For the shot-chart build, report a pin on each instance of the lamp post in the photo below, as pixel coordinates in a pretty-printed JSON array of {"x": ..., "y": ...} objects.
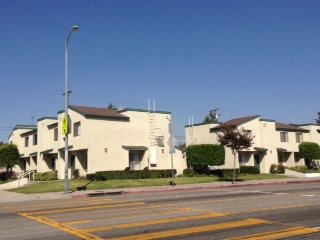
[{"x": 66, "y": 97}]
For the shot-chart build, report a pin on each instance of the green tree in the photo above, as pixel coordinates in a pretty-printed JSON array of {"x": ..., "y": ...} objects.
[
  {"x": 9, "y": 156},
  {"x": 203, "y": 155},
  {"x": 309, "y": 151},
  {"x": 236, "y": 139},
  {"x": 212, "y": 117},
  {"x": 112, "y": 107},
  {"x": 318, "y": 119}
]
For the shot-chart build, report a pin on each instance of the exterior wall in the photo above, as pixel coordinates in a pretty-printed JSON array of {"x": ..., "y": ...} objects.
[
  {"x": 199, "y": 134},
  {"x": 26, "y": 162},
  {"x": 102, "y": 143},
  {"x": 266, "y": 148}
]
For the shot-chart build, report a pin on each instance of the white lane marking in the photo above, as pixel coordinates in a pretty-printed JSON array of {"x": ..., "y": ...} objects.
[
  {"x": 279, "y": 193},
  {"x": 307, "y": 195}
]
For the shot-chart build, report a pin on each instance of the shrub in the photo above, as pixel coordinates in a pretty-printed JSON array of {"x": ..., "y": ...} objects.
[
  {"x": 46, "y": 176},
  {"x": 309, "y": 151},
  {"x": 90, "y": 176},
  {"x": 188, "y": 172},
  {"x": 224, "y": 173},
  {"x": 3, "y": 176},
  {"x": 132, "y": 174},
  {"x": 75, "y": 173},
  {"x": 281, "y": 168},
  {"x": 201, "y": 170},
  {"x": 205, "y": 154},
  {"x": 302, "y": 169},
  {"x": 249, "y": 170},
  {"x": 274, "y": 169}
]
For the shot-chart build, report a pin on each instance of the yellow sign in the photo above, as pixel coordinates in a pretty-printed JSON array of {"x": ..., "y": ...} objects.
[{"x": 65, "y": 125}]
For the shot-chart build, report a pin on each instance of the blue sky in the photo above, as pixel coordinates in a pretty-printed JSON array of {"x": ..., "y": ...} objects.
[{"x": 245, "y": 57}]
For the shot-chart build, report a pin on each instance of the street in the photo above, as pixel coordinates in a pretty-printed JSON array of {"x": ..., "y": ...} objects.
[{"x": 274, "y": 211}]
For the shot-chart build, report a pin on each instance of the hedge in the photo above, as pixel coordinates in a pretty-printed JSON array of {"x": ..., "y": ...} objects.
[
  {"x": 3, "y": 176},
  {"x": 224, "y": 173},
  {"x": 205, "y": 154},
  {"x": 188, "y": 172},
  {"x": 249, "y": 170},
  {"x": 130, "y": 174},
  {"x": 46, "y": 176}
]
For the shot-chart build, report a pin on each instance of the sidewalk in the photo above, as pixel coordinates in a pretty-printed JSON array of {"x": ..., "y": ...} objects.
[{"x": 6, "y": 197}]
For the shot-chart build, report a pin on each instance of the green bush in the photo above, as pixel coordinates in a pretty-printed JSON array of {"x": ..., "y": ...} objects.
[
  {"x": 224, "y": 173},
  {"x": 205, "y": 154},
  {"x": 274, "y": 168},
  {"x": 130, "y": 174},
  {"x": 188, "y": 172},
  {"x": 249, "y": 170},
  {"x": 309, "y": 151},
  {"x": 3, "y": 176},
  {"x": 302, "y": 169},
  {"x": 46, "y": 176},
  {"x": 90, "y": 176},
  {"x": 281, "y": 168},
  {"x": 75, "y": 173}
]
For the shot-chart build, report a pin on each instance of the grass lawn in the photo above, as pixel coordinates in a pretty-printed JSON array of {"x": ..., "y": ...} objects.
[{"x": 58, "y": 185}]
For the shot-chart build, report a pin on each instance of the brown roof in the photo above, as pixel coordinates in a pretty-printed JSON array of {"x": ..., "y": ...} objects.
[
  {"x": 238, "y": 121},
  {"x": 235, "y": 122},
  {"x": 98, "y": 112},
  {"x": 288, "y": 127}
]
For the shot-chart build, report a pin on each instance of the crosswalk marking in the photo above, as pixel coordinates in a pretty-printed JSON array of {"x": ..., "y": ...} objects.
[
  {"x": 152, "y": 222},
  {"x": 194, "y": 230},
  {"x": 73, "y": 231},
  {"x": 281, "y": 234},
  {"x": 125, "y": 204}
]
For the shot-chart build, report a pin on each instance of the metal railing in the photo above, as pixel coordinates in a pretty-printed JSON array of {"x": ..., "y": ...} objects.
[{"x": 27, "y": 173}]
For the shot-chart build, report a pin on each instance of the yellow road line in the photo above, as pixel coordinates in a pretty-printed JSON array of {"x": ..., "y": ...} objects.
[
  {"x": 181, "y": 210},
  {"x": 37, "y": 206},
  {"x": 281, "y": 234},
  {"x": 78, "y": 222},
  {"x": 63, "y": 227},
  {"x": 152, "y": 222},
  {"x": 84, "y": 208},
  {"x": 110, "y": 210},
  {"x": 195, "y": 230}
]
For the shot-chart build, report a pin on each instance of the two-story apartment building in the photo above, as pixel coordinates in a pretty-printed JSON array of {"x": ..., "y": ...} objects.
[
  {"x": 100, "y": 139},
  {"x": 273, "y": 142}
]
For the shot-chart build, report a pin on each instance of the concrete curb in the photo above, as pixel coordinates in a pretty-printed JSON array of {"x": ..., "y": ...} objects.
[{"x": 190, "y": 187}]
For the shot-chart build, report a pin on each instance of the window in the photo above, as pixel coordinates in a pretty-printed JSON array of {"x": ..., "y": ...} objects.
[
  {"x": 55, "y": 134},
  {"x": 242, "y": 159},
  {"x": 299, "y": 137},
  {"x": 77, "y": 129},
  {"x": 35, "y": 139},
  {"x": 26, "y": 141},
  {"x": 284, "y": 137}
]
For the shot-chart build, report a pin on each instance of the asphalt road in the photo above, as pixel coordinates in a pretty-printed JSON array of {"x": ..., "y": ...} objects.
[{"x": 286, "y": 211}]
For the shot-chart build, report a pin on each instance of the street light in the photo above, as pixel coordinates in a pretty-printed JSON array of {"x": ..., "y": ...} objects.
[{"x": 66, "y": 97}]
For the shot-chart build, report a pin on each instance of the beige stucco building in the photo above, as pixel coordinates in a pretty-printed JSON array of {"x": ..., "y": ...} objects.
[
  {"x": 273, "y": 142},
  {"x": 100, "y": 139}
]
